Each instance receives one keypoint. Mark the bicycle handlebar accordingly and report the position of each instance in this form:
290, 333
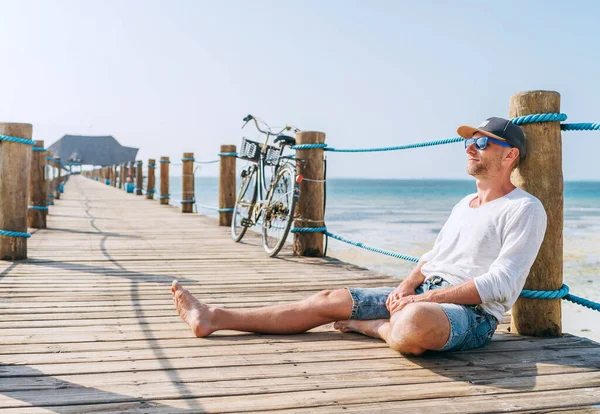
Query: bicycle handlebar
249, 118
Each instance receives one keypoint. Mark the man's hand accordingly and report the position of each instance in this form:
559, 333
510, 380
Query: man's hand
397, 295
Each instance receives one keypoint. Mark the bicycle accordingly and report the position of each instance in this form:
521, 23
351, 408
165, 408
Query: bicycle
282, 191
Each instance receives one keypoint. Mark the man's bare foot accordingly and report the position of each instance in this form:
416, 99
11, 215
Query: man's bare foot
197, 315
368, 328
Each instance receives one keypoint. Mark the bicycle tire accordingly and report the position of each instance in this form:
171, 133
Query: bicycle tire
283, 210
249, 182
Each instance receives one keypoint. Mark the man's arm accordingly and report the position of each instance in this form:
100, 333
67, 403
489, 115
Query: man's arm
463, 294
406, 287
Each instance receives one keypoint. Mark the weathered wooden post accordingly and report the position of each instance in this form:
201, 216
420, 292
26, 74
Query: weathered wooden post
120, 175
164, 180
226, 184
150, 184
56, 188
114, 175
187, 183
130, 186
15, 167
540, 174
38, 208
125, 175
310, 206
139, 180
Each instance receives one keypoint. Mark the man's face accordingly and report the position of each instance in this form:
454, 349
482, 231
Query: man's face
487, 162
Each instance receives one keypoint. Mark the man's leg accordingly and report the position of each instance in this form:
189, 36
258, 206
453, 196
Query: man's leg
324, 307
415, 329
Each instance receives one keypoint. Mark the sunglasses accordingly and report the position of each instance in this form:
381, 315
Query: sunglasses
482, 142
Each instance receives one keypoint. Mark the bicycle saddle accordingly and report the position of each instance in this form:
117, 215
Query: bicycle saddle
287, 140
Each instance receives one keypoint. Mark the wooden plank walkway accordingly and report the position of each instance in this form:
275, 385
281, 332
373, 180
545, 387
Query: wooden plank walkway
87, 325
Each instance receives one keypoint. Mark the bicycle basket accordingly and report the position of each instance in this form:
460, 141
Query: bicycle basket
250, 151
273, 154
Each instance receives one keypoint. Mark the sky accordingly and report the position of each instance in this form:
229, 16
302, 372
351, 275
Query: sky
178, 76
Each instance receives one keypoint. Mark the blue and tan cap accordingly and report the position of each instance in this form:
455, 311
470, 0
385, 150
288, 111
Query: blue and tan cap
498, 128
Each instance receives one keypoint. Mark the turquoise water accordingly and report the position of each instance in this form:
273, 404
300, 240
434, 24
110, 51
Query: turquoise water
406, 215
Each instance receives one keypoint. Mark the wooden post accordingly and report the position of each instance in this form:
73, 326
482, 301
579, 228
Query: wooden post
38, 208
151, 181
58, 178
310, 205
226, 184
187, 183
120, 174
540, 174
164, 180
114, 175
125, 175
139, 179
15, 167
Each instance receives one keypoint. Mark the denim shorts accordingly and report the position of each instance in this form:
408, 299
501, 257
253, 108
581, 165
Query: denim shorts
470, 326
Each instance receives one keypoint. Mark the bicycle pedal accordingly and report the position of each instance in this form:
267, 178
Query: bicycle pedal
246, 222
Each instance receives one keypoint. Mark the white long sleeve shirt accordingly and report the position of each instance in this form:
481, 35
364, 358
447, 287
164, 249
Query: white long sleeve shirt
494, 244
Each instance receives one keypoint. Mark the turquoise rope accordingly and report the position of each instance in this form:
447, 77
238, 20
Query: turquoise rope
40, 149
583, 302
17, 140
152, 165
42, 208
206, 162
220, 210
139, 162
162, 197
150, 191
583, 126
50, 195
563, 292
167, 161
7, 233
521, 120
532, 118
187, 201
188, 159
401, 147
545, 294
308, 146
227, 154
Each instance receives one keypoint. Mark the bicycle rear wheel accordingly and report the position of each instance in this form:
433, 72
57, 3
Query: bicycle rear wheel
279, 210
244, 204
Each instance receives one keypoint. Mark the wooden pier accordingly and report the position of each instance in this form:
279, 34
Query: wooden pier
87, 324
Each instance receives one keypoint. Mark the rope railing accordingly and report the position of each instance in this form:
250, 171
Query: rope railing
521, 120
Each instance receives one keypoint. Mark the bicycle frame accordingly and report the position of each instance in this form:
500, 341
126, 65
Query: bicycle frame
261, 181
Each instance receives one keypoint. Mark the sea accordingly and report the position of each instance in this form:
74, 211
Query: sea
405, 216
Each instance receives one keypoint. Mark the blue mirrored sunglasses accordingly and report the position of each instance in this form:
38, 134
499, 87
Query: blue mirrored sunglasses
481, 142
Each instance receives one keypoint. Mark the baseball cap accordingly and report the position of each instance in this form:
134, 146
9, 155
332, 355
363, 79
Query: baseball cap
498, 128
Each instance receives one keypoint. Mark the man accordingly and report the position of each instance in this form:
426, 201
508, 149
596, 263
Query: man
457, 293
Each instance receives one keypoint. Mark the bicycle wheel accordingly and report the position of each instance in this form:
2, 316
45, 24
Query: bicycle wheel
279, 210
244, 204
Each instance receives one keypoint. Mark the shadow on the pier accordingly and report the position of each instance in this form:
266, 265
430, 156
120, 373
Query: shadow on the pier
95, 233
122, 272
29, 387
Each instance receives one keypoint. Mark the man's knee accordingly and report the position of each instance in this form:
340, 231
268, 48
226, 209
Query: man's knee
419, 327
334, 303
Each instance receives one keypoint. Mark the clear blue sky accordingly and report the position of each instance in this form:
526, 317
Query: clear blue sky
175, 76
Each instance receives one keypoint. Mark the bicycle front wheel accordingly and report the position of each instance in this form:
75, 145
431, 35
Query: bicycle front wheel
244, 204
279, 210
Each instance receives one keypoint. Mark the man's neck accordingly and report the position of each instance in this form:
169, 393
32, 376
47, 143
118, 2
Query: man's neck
490, 190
